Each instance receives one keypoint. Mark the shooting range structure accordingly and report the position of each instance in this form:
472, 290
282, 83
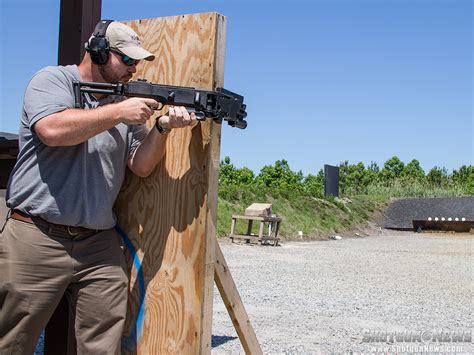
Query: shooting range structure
261, 213
461, 226
431, 214
331, 180
170, 217
168, 220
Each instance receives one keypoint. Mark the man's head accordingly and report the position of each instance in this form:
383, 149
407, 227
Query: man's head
115, 36
114, 40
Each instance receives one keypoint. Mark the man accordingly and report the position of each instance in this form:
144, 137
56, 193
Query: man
60, 236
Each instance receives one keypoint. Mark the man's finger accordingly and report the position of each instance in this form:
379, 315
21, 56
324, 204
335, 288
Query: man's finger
151, 102
179, 112
184, 112
171, 111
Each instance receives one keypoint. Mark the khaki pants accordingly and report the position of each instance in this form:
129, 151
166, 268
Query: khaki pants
37, 267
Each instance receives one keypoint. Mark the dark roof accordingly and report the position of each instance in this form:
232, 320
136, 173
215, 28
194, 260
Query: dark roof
8, 140
8, 145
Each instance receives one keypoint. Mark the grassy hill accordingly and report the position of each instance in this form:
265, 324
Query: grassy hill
314, 216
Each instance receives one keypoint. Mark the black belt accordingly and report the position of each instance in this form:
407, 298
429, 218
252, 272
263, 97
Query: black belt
51, 227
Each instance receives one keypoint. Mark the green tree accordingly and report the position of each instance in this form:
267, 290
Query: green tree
344, 171
470, 183
392, 169
280, 177
374, 167
462, 174
314, 184
230, 175
465, 178
371, 174
352, 178
437, 177
413, 171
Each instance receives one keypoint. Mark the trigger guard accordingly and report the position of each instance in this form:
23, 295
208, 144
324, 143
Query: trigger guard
200, 116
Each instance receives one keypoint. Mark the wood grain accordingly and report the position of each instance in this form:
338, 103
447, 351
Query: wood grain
169, 216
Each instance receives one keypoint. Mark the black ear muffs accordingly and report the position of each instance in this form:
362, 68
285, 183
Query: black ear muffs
98, 46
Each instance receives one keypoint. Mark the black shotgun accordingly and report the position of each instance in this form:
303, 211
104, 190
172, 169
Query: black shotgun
219, 105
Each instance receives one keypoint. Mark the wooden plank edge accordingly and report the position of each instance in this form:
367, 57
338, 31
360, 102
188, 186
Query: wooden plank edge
205, 344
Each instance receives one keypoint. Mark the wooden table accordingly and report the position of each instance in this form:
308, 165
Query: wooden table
272, 235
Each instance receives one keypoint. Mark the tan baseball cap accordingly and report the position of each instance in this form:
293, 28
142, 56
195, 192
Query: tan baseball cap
125, 40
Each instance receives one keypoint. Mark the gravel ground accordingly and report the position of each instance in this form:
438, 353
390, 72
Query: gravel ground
324, 297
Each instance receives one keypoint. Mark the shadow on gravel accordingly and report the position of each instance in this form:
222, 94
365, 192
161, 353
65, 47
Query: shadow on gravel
218, 340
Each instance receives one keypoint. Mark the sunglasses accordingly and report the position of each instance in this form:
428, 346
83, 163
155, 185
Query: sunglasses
126, 59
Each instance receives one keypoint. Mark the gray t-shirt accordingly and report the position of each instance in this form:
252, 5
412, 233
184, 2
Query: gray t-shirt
74, 185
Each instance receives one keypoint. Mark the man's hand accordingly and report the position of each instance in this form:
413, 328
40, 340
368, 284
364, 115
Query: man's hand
178, 117
136, 110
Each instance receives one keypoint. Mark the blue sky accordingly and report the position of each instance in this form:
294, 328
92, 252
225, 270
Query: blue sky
324, 80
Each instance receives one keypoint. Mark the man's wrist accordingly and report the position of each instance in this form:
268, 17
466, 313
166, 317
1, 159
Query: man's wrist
110, 112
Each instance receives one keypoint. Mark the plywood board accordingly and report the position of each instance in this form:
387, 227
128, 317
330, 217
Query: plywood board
168, 219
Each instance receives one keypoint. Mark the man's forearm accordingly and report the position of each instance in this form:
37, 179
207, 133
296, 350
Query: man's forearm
148, 154
74, 126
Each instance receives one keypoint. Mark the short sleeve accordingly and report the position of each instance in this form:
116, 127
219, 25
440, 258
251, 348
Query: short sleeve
48, 92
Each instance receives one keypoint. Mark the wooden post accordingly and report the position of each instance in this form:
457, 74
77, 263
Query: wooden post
249, 228
76, 23
169, 218
260, 230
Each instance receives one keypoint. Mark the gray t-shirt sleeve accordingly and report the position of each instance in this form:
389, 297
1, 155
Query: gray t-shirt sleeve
39, 103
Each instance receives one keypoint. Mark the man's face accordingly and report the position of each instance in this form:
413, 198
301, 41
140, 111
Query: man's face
116, 70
